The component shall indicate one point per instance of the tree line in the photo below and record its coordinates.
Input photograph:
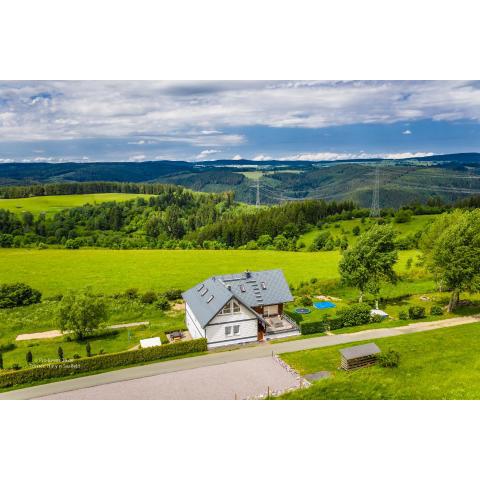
(79, 188)
(168, 215)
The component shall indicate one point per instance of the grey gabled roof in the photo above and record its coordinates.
(360, 351)
(267, 287)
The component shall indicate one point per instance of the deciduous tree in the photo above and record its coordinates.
(82, 313)
(370, 261)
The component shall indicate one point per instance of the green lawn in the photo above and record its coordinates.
(107, 271)
(345, 227)
(441, 364)
(55, 203)
(42, 317)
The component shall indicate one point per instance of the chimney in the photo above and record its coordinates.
(229, 287)
(247, 274)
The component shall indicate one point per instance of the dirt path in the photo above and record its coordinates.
(58, 333)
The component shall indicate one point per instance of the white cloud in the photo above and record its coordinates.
(260, 158)
(407, 132)
(330, 156)
(137, 158)
(237, 157)
(63, 110)
(206, 153)
(210, 132)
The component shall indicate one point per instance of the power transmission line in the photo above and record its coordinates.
(375, 207)
(257, 201)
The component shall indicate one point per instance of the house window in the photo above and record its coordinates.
(236, 329)
(228, 331)
(230, 307)
(270, 310)
(226, 309)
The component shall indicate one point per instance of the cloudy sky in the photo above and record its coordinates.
(121, 121)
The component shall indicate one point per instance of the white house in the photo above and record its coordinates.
(239, 308)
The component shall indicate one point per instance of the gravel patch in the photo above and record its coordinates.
(242, 379)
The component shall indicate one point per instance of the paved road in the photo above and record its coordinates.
(237, 380)
(219, 358)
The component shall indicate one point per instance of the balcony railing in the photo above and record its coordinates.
(280, 323)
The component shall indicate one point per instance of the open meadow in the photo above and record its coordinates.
(344, 228)
(55, 271)
(441, 364)
(51, 204)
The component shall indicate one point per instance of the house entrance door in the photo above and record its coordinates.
(261, 331)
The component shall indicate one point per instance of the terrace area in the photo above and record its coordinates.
(281, 323)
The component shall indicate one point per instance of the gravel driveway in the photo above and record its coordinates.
(242, 379)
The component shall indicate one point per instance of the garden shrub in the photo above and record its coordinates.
(306, 301)
(389, 359)
(334, 323)
(416, 312)
(162, 303)
(148, 297)
(17, 295)
(403, 315)
(436, 310)
(173, 294)
(101, 362)
(131, 293)
(358, 314)
(312, 326)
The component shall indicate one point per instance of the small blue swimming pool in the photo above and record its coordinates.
(322, 305)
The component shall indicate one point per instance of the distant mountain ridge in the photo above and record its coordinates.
(416, 179)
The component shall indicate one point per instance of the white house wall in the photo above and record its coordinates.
(216, 332)
(196, 331)
(245, 319)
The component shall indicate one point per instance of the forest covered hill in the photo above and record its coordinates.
(446, 177)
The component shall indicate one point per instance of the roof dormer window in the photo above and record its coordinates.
(264, 287)
(210, 299)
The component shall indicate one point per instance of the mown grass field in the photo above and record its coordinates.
(345, 227)
(109, 271)
(43, 317)
(55, 203)
(441, 364)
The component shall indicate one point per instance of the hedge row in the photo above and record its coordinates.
(313, 326)
(100, 362)
(308, 327)
(358, 314)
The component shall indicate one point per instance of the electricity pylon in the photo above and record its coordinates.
(375, 207)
